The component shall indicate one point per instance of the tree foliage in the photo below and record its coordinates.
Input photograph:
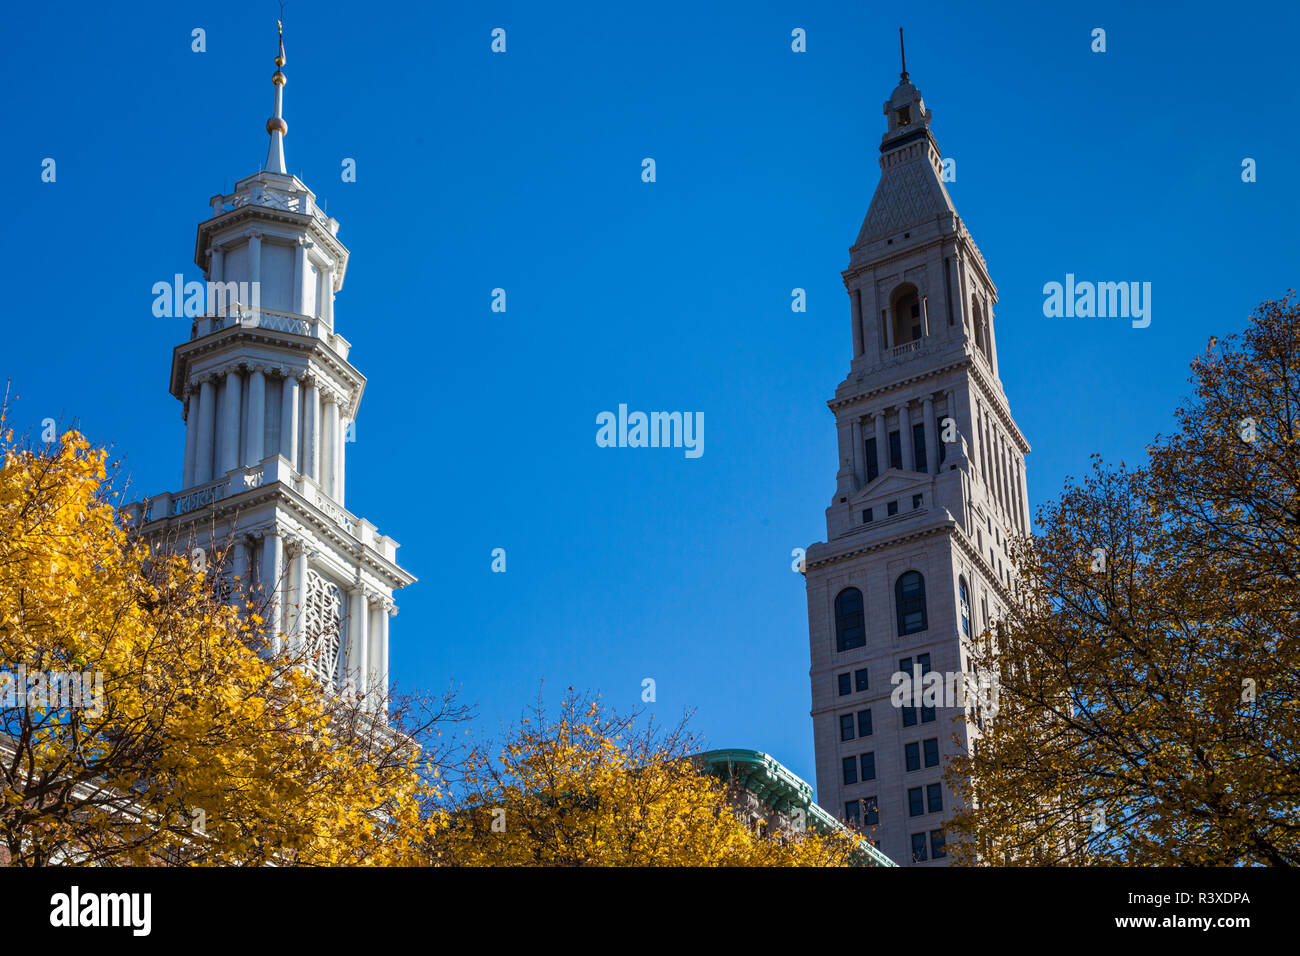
(1149, 701)
(201, 748)
(590, 789)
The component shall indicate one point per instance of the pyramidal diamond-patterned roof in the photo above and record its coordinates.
(907, 195)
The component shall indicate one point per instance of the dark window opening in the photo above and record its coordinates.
(912, 757)
(850, 631)
(918, 447)
(909, 596)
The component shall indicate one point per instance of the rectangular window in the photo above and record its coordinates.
(916, 502)
(846, 726)
(923, 662)
(864, 723)
(937, 844)
(912, 757)
(915, 802)
(891, 509)
(846, 683)
(927, 715)
(852, 811)
(943, 445)
(873, 460)
(851, 770)
(934, 797)
(909, 716)
(932, 752)
(869, 766)
(918, 847)
(866, 515)
(870, 811)
(895, 451)
(860, 679)
(918, 447)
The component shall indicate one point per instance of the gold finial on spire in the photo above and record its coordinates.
(276, 126)
(278, 78)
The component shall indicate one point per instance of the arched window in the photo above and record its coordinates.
(909, 596)
(907, 315)
(977, 315)
(850, 627)
(963, 593)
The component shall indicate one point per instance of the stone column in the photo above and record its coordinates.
(272, 573)
(239, 555)
(311, 432)
(931, 445)
(326, 307)
(289, 421)
(230, 422)
(358, 640)
(385, 608)
(905, 437)
(329, 447)
(855, 306)
(300, 277)
(255, 263)
(207, 429)
(298, 619)
(882, 443)
(217, 271)
(993, 342)
(191, 436)
(256, 417)
(340, 459)
(1024, 486)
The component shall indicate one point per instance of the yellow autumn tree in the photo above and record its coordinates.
(1149, 696)
(590, 789)
(142, 720)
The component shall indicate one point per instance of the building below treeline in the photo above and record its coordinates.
(768, 793)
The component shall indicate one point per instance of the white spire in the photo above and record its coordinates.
(276, 125)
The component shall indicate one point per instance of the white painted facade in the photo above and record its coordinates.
(921, 305)
(267, 394)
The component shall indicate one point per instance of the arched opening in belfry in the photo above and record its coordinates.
(979, 328)
(906, 311)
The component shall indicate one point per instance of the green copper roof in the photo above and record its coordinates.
(778, 787)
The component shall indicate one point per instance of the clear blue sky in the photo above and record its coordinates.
(522, 171)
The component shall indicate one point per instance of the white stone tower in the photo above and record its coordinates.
(268, 397)
(915, 559)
